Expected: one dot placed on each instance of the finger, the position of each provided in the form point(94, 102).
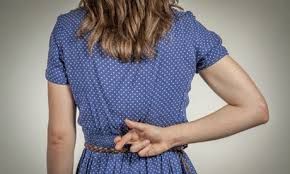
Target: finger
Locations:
point(116, 139)
point(126, 138)
point(134, 124)
point(140, 145)
point(145, 151)
point(134, 137)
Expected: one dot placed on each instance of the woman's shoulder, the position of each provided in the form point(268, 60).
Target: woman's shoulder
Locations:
point(184, 19)
point(183, 14)
point(73, 14)
point(71, 19)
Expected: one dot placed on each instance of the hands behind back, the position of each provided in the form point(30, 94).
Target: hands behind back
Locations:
point(145, 139)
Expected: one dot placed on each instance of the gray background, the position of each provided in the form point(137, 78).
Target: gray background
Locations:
point(256, 33)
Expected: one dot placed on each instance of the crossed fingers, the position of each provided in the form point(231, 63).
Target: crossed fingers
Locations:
point(132, 137)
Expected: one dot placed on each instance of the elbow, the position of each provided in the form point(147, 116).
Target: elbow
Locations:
point(56, 138)
point(263, 112)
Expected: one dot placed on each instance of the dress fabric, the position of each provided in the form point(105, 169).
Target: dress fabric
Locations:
point(106, 91)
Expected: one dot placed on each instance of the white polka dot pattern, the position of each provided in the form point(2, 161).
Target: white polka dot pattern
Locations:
point(208, 44)
point(107, 91)
point(55, 70)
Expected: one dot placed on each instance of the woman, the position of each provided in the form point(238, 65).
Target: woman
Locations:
point(127, 66)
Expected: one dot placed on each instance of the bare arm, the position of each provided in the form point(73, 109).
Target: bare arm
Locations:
point(61, 131)
point(246, 106)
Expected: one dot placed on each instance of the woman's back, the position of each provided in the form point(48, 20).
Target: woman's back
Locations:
point(106, 91)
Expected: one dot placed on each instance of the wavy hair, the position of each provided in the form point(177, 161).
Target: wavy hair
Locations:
point(126, 29)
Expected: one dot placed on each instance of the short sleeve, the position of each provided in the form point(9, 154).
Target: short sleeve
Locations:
point(208, 44)
point(55, 68)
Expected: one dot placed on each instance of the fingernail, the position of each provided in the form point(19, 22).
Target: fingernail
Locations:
point(117, 146)
point(116, 140)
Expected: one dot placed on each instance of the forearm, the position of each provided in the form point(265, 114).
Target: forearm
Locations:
point(60, 155)
point(222, 123)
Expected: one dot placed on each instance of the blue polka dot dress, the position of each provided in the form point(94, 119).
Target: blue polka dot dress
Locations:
point(107, 91)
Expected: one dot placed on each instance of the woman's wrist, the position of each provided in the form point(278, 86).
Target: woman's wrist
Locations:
point(175, 135)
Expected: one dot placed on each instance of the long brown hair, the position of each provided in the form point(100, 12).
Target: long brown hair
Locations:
point(126, 29)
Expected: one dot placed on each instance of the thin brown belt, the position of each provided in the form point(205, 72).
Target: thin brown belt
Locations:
point(179, 149)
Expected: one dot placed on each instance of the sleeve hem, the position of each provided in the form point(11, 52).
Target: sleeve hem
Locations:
point(54, 80)
point(57, 82)
point(213, 61)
